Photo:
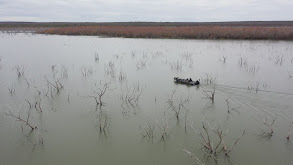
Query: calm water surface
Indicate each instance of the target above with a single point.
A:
(251, 79)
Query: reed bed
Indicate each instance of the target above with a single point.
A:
(179, 32)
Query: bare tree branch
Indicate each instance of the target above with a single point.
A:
(26, 122)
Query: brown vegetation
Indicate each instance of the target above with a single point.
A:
(180, 32)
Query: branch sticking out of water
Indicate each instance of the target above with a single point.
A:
(97, 58)
(122, 76)
(228, 106)
(110, 69)
(210, 94)
(181, 104)
(207, 139)
(177, 65)
(289, 133)
(11, 89)
(149, 132)
(38, 106)
(27, 83)
(86, 71)
(192, 155)
(132, 95)
(104, 122)
(19, 70)
(223, 59)
(209, 79)
(99, 93)
(236, 141)
(164, 131)
(30, 105)
(25, 121)
(270, 124)
(56, 82)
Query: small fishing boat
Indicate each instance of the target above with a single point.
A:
(186, 81)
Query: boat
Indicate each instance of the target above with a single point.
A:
(186, 81)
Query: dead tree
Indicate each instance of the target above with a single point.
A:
(86, 71)
(11, 89)
(56, 83)
(97, 57)
(234, 144)
(19, 70)
(122, 76)
(210, 94)
(209, 79)
(132, 95)
(25, 121)
(206, 137)
(99, 93)
(220, 136)
(206, 141)
(164, 129)
(149, 132)
(223, 58)
(102, 92)
(270, 124)
(181, 104)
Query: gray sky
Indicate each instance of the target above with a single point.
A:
(145, 10)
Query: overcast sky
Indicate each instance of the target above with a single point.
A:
(145, 10)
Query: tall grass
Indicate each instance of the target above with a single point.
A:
(181, 32)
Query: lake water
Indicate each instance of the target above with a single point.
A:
(137, 123)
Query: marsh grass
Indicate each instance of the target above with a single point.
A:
(187, 32)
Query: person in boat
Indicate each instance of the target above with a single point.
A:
(197, 82)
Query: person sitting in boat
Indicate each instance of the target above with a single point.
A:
(197, 82)
(190, 80)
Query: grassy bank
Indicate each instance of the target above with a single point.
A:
(180, 32)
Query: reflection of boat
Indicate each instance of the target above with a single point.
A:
(186, 81)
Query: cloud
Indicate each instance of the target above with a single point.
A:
(142, 10)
